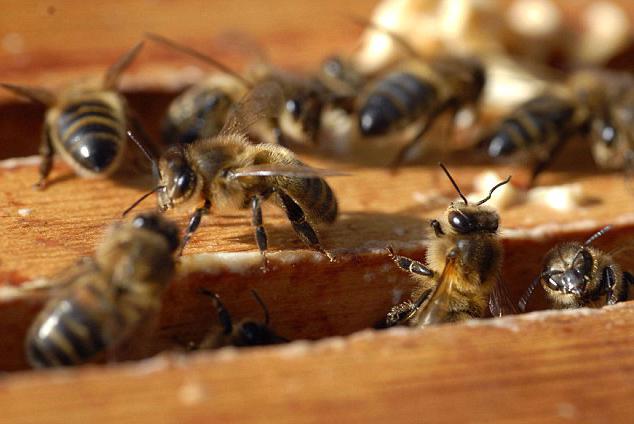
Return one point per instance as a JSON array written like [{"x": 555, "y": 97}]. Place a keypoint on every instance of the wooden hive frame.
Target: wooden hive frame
[{"x": 543, "y": 366}]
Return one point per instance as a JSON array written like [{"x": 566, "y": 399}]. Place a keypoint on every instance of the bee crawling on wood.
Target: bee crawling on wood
[
  {"x": 463, "y": 274},
  {"x": 247, "y": 332},
  {"x": 104, "y": 299},
  {"x": 84, "y": 124},
  {"x": 228, "y": 170},
  {"x": 576, "y": 275}
]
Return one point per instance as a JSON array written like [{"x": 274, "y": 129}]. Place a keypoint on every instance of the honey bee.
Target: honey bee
[
  {"x": 592, "y": 104},
  {"x": 106, "y": 297},
  {"x": 463, "y": 274},
  {"x": 228, "y": 170},
  {"x": 576, "y": 275},
  {"x": 84, "y": 124},
  {"x": 247, "y": 332},
  {"x": 416, "y": 92},
  {"x": 200, "y": 111}
]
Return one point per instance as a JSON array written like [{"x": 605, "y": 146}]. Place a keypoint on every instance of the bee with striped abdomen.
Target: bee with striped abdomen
[
  {"x": 576, "y": 275},
  {"x": 107, "y": 297},
  {"x": 592, "y": 104},
  {"x": 463, "y": 275},
  {"x": 247, "y": 332},
  {"x": 230, "y": 171},
  {"x": 85, "y": 124}
]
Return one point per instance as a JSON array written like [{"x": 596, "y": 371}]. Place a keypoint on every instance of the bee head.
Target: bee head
[
  {"x": 177, "y": 178},
  {"x": 467, "y": 218},
  {"x": 251, "y": 333},
  {"x": 157, "y": 224},
  {"x": 568, "y": 277}
]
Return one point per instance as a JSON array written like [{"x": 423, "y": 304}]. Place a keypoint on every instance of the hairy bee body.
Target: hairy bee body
[
  {"x": 461, "y": 276},
  {"x": 87, "y": 129},
  {"x": 200, "y": 111},
  {"x": 592, "y": 104},
  {"x": 107, "y": 297},
  {"x": 418, "y": 91}
]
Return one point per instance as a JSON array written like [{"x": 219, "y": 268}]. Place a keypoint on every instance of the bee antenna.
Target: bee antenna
[
  {"x": 142, "y": 198},
  {"x": 198, "y": 55},
  {"x": 521, "y": 304},
  {"x": 500, "y": 184},
  {"x": 146, "y": 152},
  {"x": 444, "y": 168},
  {"x": 263, "y": 305},
  {"x": 598, "y": 234},
  {"x": 223, "y": 314}
]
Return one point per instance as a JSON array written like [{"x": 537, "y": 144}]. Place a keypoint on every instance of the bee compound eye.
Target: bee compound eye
[
  {"x": 294, "y": 107},
  {"x": 460, "y": 222}
]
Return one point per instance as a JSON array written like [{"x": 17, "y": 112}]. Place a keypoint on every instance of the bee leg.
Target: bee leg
[
  {"x": 406, "y": 310},
  {"x": 194, "y": 222},
  {"x": 435, "y": 224},
  {"x": 260, "y": 232},
  {"x": 608, "y": 281},
  {"x": 409, "y": 265},
  {"x": 402, "y": 154},
  {"x": 300, "y": 224},
  {"x": 542, "y": 164},
  {"x": 46, "y": 155}
]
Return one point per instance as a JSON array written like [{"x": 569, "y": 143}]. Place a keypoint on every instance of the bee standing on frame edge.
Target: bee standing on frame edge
[
  {"x": 576, "y": 275},
  {"x": 229, "y": 171},
  {"x": 463, "y": 275},
  {"x": 85, "y": 124}
]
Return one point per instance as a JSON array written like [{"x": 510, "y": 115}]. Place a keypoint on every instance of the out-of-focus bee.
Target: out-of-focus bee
[
  {"x": 105, "y": 298},
  {"x": 247, "y": 332},
  {"x": 463, "y": 274},
  {"x": 416, "y": 92},
  {"x": 200, "y": 111},
  {"x": 575, "y": 275},
  {"x": 228, "y": 170},
  {"x": 85, "y": 124},
  {"x": 598, "y": 105}
]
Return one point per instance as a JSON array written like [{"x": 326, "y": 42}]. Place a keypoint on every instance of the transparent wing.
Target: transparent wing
[
  {"x": 500, "y": 301},
  {"x": 265, "y": 100},
  {"x": 111, "y": 79},
  {"x": 265, "y": 170},
  {"x": 60, "y": 283},
  {"x": 435, "y": 311},
  {"x": 35, "y": 94}
]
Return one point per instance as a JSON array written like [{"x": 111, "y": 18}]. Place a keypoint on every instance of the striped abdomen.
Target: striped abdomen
[
  {"x": 195, "y": 114},
  {"x": 400, "y": 98},
  {"x": 540, "y": 122},
  {"x": 76, "y": 329},
  {"x": 313, "y": 195},
  {"x": 92, "y": 132}
]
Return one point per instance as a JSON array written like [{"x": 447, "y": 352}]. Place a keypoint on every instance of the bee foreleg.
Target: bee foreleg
[
  {"x": 260, "y": 232},
  {"x": 435, "y": 224},
  {"x": 300, "y": 224},
  {"x": 608, "y": 281},
  {"x": 194, "y": 222},
  {"x": 409, "y": 265},
  {"x": 406, "y": 310},
  {"x": 46, "y": 155},
  {"x": 547, "y": 160}
]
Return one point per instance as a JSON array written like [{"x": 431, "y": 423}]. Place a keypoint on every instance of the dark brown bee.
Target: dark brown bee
[
  {"x": 85, "y": 124},
  {"x": 200, "y": 111},
  {"x": 463, "y": 275},
  {"x": 416, "y": 92},
  {"x": 576, "y": 275},
  {"x": 247, "y": 332},
  {"x": 107, "y": 297},
  {"x": 230, "y": 171},
  {"x": 592, "y": 104}
]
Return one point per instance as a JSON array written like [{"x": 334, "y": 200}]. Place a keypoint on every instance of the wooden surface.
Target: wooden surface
[{"x": 545, "y": 366}]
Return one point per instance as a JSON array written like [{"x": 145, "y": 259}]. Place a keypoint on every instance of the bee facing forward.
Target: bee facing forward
[
  {"x": 596, "y": 105},
  {"x": 464, "y": 261},
  {"x": 245, "y": 333},
  {"x": 575, "y": 275},
  {"x": 84, "y": 124},
  {"x": 228, "y": 170},
  {"x": 108, "y": 296}
]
